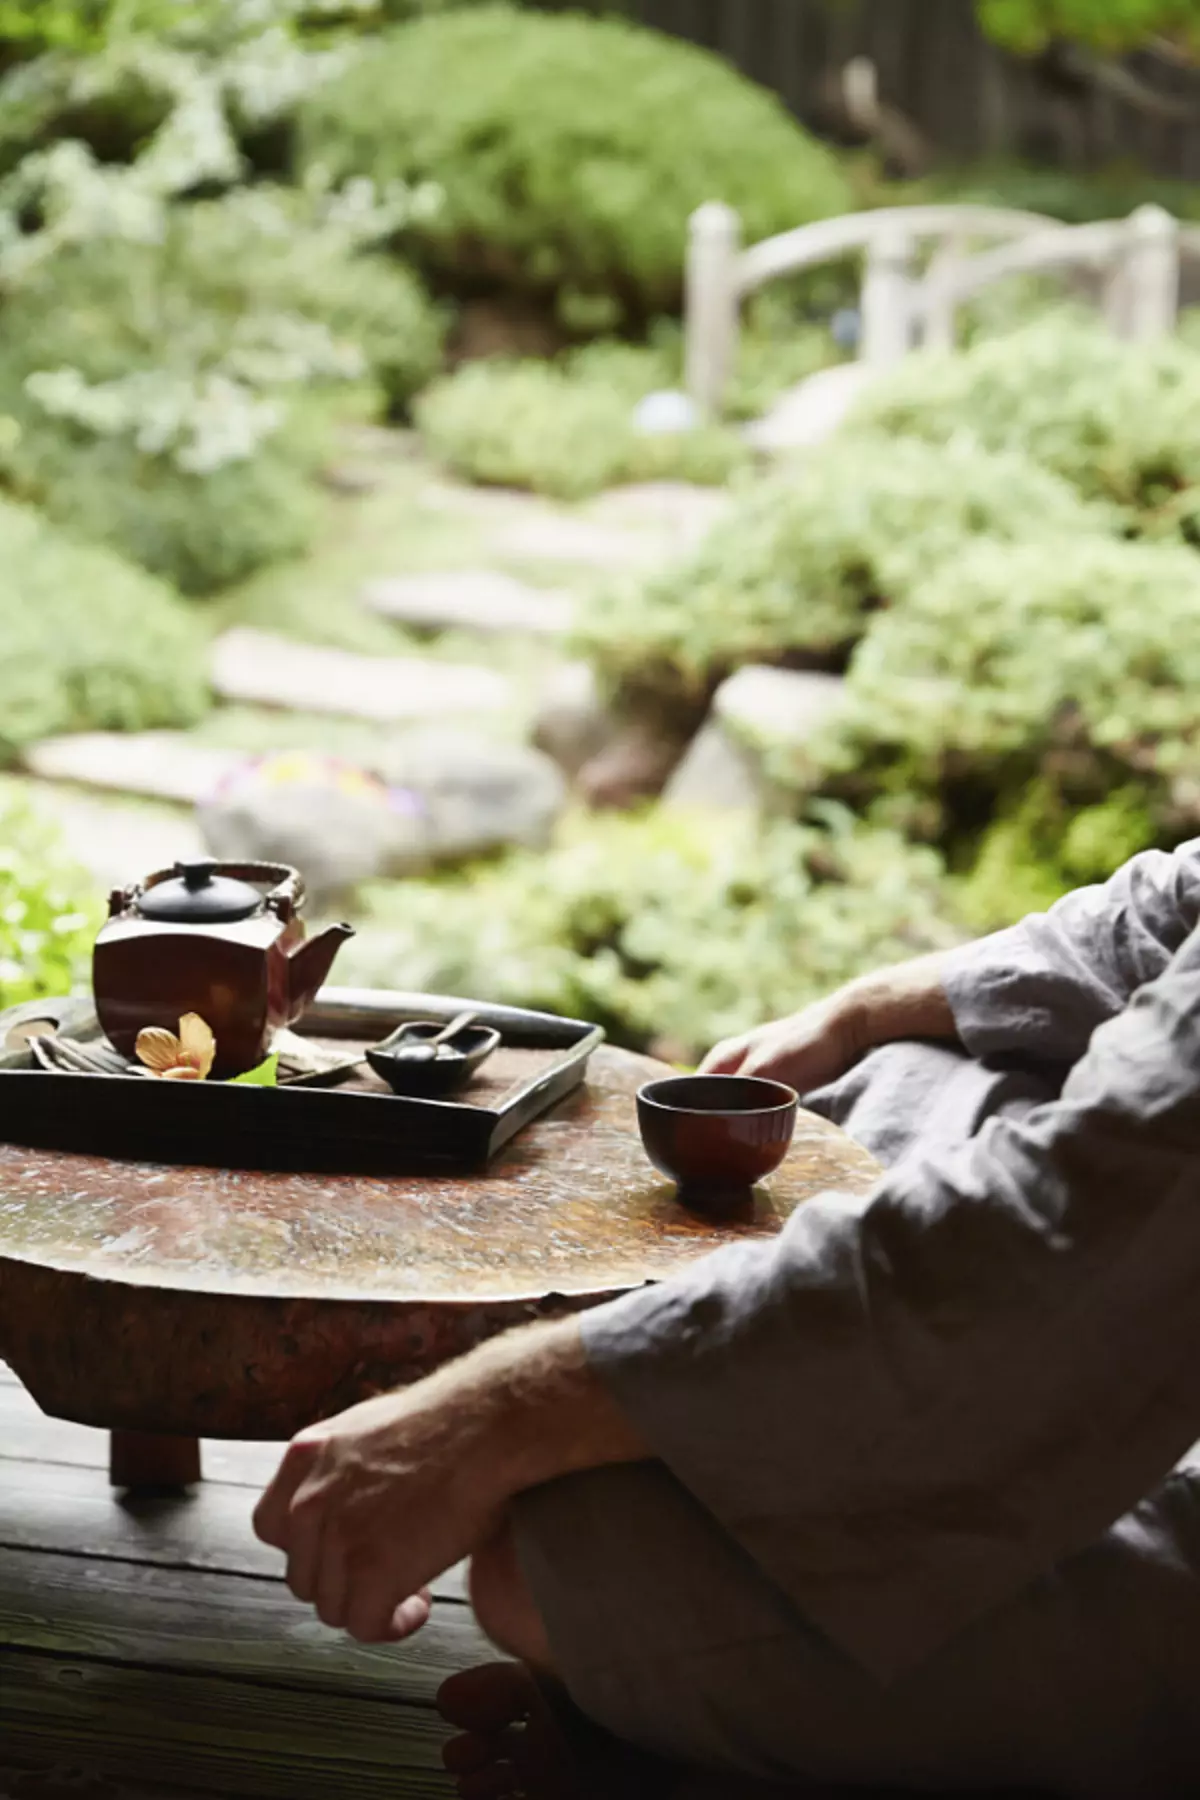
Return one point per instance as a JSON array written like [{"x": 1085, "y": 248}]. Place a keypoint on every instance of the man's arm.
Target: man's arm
[
  {"x": 907, "y": 1411},
  {"x": 1041, "y": 988},
  {"x": 1037, "y": 990},
  {"x": 373, "y": 1505}
]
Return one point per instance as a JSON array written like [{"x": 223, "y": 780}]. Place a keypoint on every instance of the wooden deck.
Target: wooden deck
[{"x": 153, "y": 1642}]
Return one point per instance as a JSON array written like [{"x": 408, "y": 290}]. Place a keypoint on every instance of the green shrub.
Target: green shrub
[
  {"x": 539, "y": 425},
  {"x": 90, "y": 643},
  {"x": 154, "y": 383},
  {"x": 664, "y": 929},
  {"x": 49, "y": 911},
  {"x": 1073, "y": 665},
  {"x": 1040, "y": 847},
  {"x": 808, "y": 555},
  {"x": 1117, "y": 420},
  {"x": 570, "y": 153}
]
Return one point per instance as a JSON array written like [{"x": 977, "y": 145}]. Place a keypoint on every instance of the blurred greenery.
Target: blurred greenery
[
  {"x": 809, "y": 556},
  {"x": 1119, "y": 421},
  {"x": 156, "y": 384},
  {"x": 561, "y": 432},
  {"x": 49, "y": 913},
  {"x": 1111, "y": 25},
  {"x": 1030, "y": 705},
  {"x": 666, "y": 929},
  {"x": 89, "y": 641},
  {"x": 569, "y": 154}
]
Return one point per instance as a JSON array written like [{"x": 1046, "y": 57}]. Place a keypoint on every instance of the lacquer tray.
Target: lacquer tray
[{"x": 360, "y": 1126}]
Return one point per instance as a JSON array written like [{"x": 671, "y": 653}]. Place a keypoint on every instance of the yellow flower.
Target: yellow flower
[{"x": 188, "y": 1057}]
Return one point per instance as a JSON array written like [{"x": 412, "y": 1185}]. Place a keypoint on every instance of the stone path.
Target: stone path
[
  {"x": 76, "y": 780},
  {"x": 257, "y": 669}
]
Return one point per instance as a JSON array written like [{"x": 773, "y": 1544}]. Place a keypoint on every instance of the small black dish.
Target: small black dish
[{"x": 451, "y": 1067}]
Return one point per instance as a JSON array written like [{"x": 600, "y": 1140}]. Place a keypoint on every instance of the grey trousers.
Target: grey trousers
[{"x": 667, "y": 1633}]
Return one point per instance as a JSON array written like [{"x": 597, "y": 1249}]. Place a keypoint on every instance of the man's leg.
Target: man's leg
[{"x": 670, "y": 1638}]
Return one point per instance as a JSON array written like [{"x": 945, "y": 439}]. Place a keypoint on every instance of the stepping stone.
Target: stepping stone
[
  {"x": 156, "y": 765},
  {"x": 522, "y": 525},
  {"x": 678, "y": 509},
  {"x": 562, "y": 538},
  {"x": 257, "y": 669},
  {"x": 470, "y": 600}
]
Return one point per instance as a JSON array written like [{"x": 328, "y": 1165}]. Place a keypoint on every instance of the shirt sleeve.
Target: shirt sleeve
[
  {"x": 1040, "y": 989},
  {"x": 907, "y": 1408}
]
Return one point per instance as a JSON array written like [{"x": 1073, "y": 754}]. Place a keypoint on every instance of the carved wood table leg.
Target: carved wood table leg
[{"x": 142, "y": 1459}]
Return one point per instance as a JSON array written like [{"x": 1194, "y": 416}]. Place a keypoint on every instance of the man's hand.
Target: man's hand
[
  {"x": 819, "y": 1044},
  {"x": 371, "y": 1506}
]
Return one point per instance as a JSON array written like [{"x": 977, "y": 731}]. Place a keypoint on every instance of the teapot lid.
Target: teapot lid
[{"x": 197, "y": 895}]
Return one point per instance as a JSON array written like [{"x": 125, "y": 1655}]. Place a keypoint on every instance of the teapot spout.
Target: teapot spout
[{"x": 309, "y": 966}]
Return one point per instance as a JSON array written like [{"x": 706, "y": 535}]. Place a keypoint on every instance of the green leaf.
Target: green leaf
[{"x": 266, "y": 1075}]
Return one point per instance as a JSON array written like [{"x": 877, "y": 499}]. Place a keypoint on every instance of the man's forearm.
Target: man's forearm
[
  {"x": 908, "y": 1001},
  {"x": 534, "y": 1407}
]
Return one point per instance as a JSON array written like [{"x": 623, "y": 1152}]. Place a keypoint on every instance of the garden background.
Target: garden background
[{"x": 344, "y": 514}]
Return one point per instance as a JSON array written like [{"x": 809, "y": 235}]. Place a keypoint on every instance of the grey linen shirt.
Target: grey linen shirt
[{"x": 909, "y": 1406}]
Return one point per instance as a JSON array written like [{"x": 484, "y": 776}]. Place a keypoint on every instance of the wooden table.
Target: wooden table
[{"x": 168, "y": 1304}]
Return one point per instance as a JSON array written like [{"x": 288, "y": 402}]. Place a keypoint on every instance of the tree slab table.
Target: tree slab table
[{"x": 166, "y": 1304}]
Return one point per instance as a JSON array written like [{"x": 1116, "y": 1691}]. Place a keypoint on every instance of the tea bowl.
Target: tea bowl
[{"x": 716, "y": 1136}]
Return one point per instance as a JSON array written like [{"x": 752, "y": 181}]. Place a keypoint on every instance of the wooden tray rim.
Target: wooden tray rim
[{"x": 343, "y": 1012}]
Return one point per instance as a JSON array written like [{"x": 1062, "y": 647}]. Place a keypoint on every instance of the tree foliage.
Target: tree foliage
[
  {"x": 570, "y": 152},
  {"x": 1028, "y": 26}
]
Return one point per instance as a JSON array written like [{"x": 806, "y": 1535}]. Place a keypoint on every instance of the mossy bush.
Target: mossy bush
[
  {"x": 171, "y": 393},
  {"x": 1027, "y": 690},
  {"x": 808, "y": 556},
  {"x": 1119, "y": 421},
  {"x": 89, "y": 642},
  {"x": 666, "y": 930},
  {"x": 560, "y": 432},
  {"x": 49, "y": 910},
  {"x": 570, "y": 152}
]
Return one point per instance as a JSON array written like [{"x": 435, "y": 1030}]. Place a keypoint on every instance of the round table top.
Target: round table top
[
  {"x": 571, "y": 1211},
  {"x": 570, "y": 1207}
]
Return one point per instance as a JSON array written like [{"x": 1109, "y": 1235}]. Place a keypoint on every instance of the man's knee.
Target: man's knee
[{"x": 503, "y": 1604}]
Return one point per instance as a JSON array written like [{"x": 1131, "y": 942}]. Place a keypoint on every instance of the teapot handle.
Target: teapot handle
[{"x": 285, "y": 899}]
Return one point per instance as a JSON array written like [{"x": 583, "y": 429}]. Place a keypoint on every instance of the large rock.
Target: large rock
[
  {"x": 572, "y": 723},
  {"x": 755, "y": 712},
  {"x": 436, "y": 797}
]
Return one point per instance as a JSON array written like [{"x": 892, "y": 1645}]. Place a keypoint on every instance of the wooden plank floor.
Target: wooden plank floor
[{"x": 153, "y": 1642}]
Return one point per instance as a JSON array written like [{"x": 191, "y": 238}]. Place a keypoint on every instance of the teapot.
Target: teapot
[{"x": 199, "y": 938}]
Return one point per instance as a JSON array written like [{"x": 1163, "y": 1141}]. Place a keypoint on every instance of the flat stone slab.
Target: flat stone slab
[
  {"x": 522, "y": 525},
  {"x": 156, "y": 765},
  {"x": 678, "y": 509},
  {"x": 470, "y": 600},
  {"x": 257, "y": 669}
]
